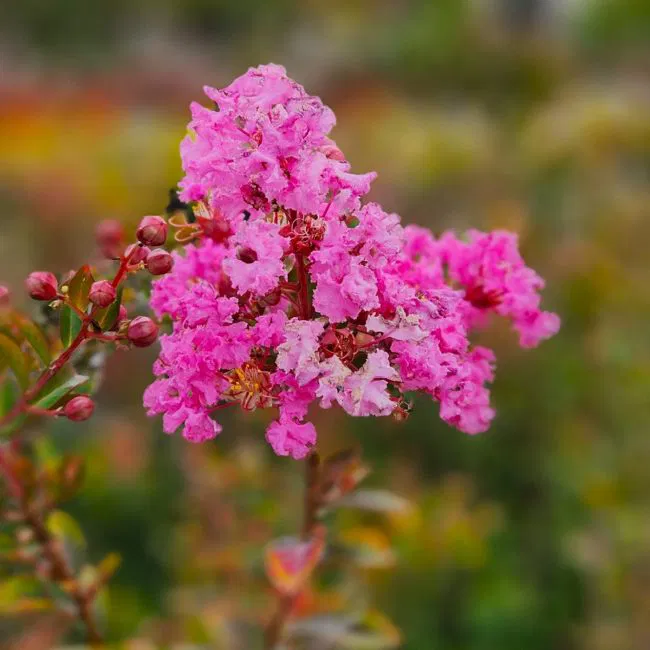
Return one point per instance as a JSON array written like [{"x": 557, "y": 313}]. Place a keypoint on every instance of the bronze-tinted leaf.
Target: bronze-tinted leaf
[{"x": 79, "y": 287}]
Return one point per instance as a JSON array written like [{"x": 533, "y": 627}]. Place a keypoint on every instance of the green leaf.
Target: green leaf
[
  {"x": 373, "y": 632},
  {"x": 377, "y": 501},
  {"x": 69, "y": 324},
  {"x": 12, "y": 355},
  {"x": 108, "y": 566},
  {"x": 35, "y": 336},
  {"x": 8, "y": 396},
  {"x": 107, "y": 316},
  {"x": 50, "y": 399},
  {"x": 65, "y": 527},
  {"x": 79, "y": 287},
  {"x": 26, "y": 606},
  {"x": 16, "y": 588}
]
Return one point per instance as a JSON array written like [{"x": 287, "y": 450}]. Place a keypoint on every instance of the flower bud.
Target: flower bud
[
  {"x": 159, "y": 262},
  {"x": 136, "y": 253},
  {"x": 41, "y": 285},
  {"x": 110, "y": 238},
  {"x": 79, "y": 408},
  {"x": 142, "y": 331},
  {"x": 152, "y": 231},
  {"x": 102, "y": 293}
]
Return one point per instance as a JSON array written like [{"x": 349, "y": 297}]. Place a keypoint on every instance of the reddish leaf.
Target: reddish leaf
[{"x": 290, "y": 561}]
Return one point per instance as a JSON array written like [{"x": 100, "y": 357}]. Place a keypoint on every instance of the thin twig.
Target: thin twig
[
  {"x": 275, "y": 628},
  {"x": 61, "y": 571}
]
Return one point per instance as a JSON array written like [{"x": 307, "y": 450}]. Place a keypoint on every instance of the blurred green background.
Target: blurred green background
[{"x": 532, "y": 115}]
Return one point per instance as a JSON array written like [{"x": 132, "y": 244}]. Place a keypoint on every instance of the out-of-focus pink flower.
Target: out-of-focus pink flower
[
  {"x": 109, "y": 235},
  {"x": 4, "y": 295}
]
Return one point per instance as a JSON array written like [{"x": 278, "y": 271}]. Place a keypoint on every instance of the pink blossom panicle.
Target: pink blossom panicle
[{"x": 305, "y": 296}]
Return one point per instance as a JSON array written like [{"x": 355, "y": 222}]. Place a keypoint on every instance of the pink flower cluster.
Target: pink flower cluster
[{"x": 296, "y": 293}]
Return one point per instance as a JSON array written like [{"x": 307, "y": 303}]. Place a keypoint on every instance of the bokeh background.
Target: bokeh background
[{"x": 532, "y": 115}]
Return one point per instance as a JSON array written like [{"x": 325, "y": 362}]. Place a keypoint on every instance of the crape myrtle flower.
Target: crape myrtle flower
[{"x": 296, "y": 293}]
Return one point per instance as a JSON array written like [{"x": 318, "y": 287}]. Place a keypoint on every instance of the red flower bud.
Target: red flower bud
[
  {"x": 142, "y": 331},
  {"x": 152, "y": 231},
  {"x": 159, "y": 262},
  {"x": 41, "y": 285},
  {"x": 79, "y": 408},
  {"x": 136, "y": 253},
  {"x": 110, "y": 238},
  {"x": 102, "y": 293}
]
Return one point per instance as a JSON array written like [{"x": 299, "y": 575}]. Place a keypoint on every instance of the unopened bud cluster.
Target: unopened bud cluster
[{"x": 151, "y": 232}]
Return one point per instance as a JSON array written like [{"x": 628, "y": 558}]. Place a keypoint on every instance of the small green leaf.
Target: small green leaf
[
  {"x": 50, "y": 399},
  {"x": 35, "y": 336},
  {"x": 79, "y": 287},
  {"x": 108, "y": 566},
  {"x": 107, "y": 316},
  {"x": 69, "y": 324},
  {"x": 16, "y": 588},
  {"x": 27, "y": 606},
  {"x": 8, "y": 396},
  {"x": 12, "y": 355},
  {"x": 377, "y": 501},
  {"x": 65, "y": 527},
  {"x": 374, "y": 632}
]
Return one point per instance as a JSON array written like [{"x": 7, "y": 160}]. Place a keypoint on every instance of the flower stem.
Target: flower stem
[
  {"x": 303, "y": 288},
  {"x": 275, "y": 627}
]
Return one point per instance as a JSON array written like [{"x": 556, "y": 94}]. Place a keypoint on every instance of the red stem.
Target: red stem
[
  {"x": 303, "y": 289},
  {"x": 274, "y": 630}
]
